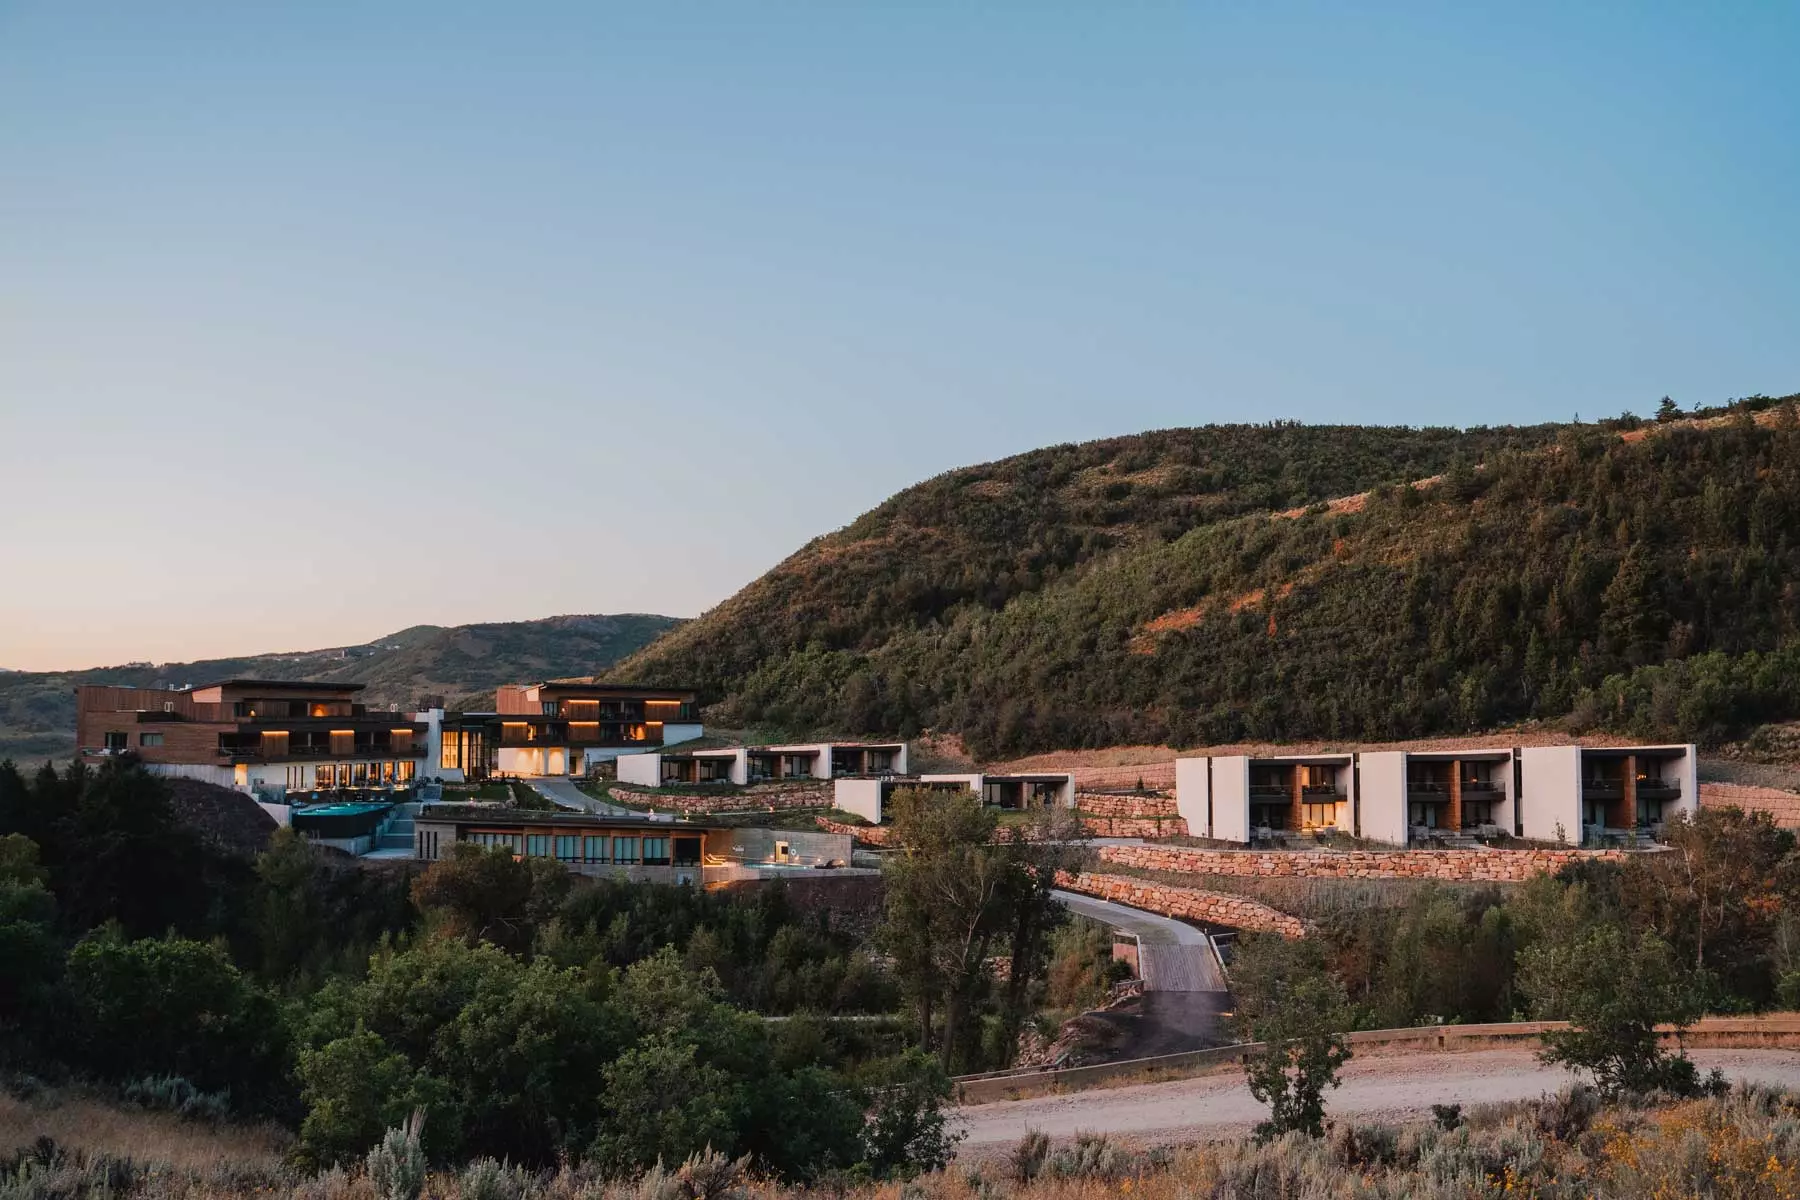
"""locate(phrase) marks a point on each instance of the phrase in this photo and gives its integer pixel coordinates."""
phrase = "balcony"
(322, 752)
(1271, 791)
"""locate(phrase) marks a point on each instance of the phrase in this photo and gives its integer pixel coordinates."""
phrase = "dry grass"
(92, 1126)
(1745, 1145)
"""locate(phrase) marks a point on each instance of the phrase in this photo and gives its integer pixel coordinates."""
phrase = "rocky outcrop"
(1189, 904)
(1493, 866)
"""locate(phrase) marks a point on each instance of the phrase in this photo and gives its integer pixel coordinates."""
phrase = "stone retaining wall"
(1783, 806)
(758, 797)
(1111, 804)
(1135, 827)
(1495, 866)
(868, 835)
(1190, 904)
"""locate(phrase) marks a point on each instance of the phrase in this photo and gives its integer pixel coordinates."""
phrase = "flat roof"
(1327, 759)
(1052, 777)
(475, 814)
(632, 689)
(288, 685)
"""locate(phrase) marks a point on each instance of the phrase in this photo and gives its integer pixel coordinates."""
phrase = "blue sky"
(323, 319)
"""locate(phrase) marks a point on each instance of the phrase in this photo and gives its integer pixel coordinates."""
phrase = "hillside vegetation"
(1195, 586)
(37, 709)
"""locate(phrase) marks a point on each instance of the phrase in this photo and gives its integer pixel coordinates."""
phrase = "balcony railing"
(1271, 791)
(311, 753)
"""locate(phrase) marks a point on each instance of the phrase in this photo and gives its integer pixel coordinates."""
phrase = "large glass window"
(625, 850)
(537, 845)
(656, 852)
(403, 770)
(117, 741)
(568, 847)
(595, 849)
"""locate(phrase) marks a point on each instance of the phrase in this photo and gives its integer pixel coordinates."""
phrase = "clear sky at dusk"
(323, 319)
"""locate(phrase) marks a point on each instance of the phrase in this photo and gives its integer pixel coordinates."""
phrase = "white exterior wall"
(644, 770)
(1382, 802)
(1550, 792)
(1506, 813)
(974, 782)
(283, 814)
(1231, 798)
(204, 772)
(859, 796)
(901, 764)
(1346, 809)
(1193, 795)
(1689, 769)
(519, 760)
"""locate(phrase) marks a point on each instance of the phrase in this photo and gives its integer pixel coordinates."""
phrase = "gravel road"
(1373, 1088)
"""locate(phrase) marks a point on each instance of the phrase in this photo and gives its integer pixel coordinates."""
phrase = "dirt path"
(1374, 1088)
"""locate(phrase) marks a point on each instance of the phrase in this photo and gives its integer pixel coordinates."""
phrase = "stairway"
(397, 836)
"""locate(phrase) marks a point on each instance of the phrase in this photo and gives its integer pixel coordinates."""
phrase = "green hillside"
(1158, 588)
(37, 709)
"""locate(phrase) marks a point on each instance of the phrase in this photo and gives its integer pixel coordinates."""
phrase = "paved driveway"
(1387, 1088)
(569, 796)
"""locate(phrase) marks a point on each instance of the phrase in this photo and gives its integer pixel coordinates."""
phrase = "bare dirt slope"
(1373, 1088)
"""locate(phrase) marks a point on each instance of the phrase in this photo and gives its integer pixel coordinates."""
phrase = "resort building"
(558, 729)
(1573, 794)
(628, 847)
(1415, 796)
(1597, 795)
(745, 765)
(269, 737)
(1238, 798)
(868, 797)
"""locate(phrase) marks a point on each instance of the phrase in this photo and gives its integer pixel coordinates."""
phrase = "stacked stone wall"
(759, 797)
(1494, 866)
(1189, 904)
(1783, 806)
(868, 835)
(1112, 804)
(1135, 827)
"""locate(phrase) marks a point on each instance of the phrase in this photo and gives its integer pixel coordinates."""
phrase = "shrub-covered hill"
(1164, 588)
(37, 708)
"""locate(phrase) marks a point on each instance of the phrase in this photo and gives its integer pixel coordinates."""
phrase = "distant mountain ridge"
(463, 663)
(1288, 582)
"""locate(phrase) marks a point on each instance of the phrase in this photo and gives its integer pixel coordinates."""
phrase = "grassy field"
(89, 1124)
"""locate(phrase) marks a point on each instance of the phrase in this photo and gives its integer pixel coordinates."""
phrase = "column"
(1626, 817)
(1456, 822)
(1298, 821)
